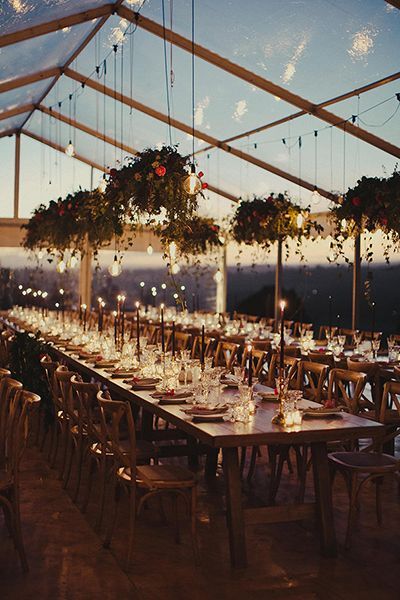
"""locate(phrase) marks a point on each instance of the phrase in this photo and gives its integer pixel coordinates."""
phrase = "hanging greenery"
(372, 205)
(150, 185)
(65, 223)
(198, 235)
(264, 221)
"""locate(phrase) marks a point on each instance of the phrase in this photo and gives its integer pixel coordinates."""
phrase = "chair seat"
(144, 450)
(160, 476)
(365, 462)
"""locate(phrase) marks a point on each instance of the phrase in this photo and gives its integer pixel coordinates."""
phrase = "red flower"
(69, 206)
(201, 174)
(270, 199)
(161, 170)
(214, 228)
(384, 221)
(113, 173)
(61, 212)
(204, 186)
(356, 201)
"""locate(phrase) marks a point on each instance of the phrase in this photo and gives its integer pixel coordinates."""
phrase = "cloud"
(199, 110)
(290, 68)
(240, 110)
(362, 44)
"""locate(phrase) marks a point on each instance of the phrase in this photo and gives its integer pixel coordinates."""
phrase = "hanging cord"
(115, 49)
(104, 113)
(166, 74)
(300, 144)
(121, 104)
(193, 75)
(315, 158)
(344, 160)
(331, 151)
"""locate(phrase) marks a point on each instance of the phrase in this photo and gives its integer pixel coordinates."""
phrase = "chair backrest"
(85, 398)
(390, 399)
(182, 340)
(20, 407)
(4, 373)
(312, 379)
(116, 420)
(323, 358)
(64, 391)
(8, 389)
(209, 345)
(293, 351)
(341, 392)
(49, 367)
(270, 378)
(225, 354)
(323, 330)
(369, 368)
(259, 358)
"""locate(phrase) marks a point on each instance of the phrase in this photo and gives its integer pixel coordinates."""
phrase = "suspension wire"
(166, 73)
(193, 76)
(104, 112)
(115, 49)
(121, 104)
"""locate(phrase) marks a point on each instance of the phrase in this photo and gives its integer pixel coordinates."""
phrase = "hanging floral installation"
(372, 205)
(199, 235)
(66, 224)
(264, 221)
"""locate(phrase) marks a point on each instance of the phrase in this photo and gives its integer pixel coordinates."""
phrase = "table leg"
(323, 497)
(234, 508)
(147, 424)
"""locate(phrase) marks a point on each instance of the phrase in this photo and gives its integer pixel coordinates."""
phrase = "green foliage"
(25, 353)
(197, 235)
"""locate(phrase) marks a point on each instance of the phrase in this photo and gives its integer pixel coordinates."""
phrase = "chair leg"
(302, 472)
(64, 442)
(79, 451)
(132, 520)
(69, 459)
(16, 517)
(92, 466)
(378, 496)
(243, 452)
(110, 530)
(193, 520)
(255, 451)
(282, 456)
(54, 451)
(352, 509)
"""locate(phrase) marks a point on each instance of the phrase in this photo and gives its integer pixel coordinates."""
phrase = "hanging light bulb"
(175, 269)
(115, 268)
(300, 221)
(172, 251)
(40, 254)
(343, 224)
(192, 183)
(61, 266)
(69, 149)
(218, 276)
(315, 196)
(102, 184)
(150, 250)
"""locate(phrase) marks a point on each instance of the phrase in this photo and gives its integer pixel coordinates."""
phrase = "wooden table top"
(258, 431)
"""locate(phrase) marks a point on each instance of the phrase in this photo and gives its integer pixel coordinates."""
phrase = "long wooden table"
(259, 431)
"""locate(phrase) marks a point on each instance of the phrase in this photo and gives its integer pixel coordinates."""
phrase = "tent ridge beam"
(188, 129)
(56, 24)
(256, 80)
(12, 84)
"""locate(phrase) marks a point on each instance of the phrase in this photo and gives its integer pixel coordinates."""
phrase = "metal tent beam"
(256, 80)
(56, 24)
(188, 129)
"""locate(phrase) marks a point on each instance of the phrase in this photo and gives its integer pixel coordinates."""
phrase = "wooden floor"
(67, 560)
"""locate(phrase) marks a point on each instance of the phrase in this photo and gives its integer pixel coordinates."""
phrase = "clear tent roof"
(315, 52)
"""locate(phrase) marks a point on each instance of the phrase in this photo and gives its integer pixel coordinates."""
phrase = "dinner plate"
(209, 418)
(321, 413)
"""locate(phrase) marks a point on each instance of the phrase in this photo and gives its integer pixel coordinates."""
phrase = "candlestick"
(330, 316)
(162, 330)
(138, 330)
(282, 348)
(250, 363)
(373, 320)
(84, 308)
(173, 337)
(80, 309)
(115, 313)
(99, 301)
(202, 350)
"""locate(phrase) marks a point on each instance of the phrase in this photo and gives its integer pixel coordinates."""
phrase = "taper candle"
(282, 353)
(173, 337)
(250, 363)
(162, 329)
(138, 329)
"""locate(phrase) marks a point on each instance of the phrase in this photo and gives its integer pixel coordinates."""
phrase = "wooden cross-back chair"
(389, 413)
(298, 325)
(323, 329)
(312, 380)
(18, 414)
(259, 359)
(148, 480)
(66, 414)
(8, 389)
(371, 370)
(225, 354)
(322, 358)
(182, 340)
(346, 388)
(209, 346)
(6, 338)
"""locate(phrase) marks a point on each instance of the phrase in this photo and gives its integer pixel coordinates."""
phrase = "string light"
(150, 250)
(115, 268)
(70, 150)
(218, 276)
(300, 221)
(315, 196)
(175, 269)
(61, 266)
(102, 184)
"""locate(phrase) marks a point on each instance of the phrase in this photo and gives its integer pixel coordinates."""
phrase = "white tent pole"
(222, 285)
(278, 283)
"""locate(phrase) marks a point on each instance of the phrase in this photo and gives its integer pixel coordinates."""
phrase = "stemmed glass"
(357, 336)
(185, 358)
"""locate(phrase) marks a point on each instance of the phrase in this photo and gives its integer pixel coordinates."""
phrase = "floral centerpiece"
(372, 205)
(151, 185)
(264, 221)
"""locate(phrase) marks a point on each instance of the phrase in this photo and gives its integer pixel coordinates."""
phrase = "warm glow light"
(57, 305)
(115, 268)
(83, 306)
(39, 293)
(102, 184)
(154, 292)
(343, 224)
(34, 294)
(218, 276)
(162, 305)
(163, 286)
(20, 287)
(183, 288)
(282, 304)
(61, 291)
(192, 183)
(175, 269)
(40, 254)
(73, 261)
(142, 284)
(61, 266)
(172, 251)
(24, 293)
(28, 290)
(44, 295)
(70, 150)
(150, 250)
(137, 304)
(300, 220)
(176, 296)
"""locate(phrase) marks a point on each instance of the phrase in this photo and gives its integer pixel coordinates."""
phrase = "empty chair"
(150, 480)
(225, 354)
(312, 380)
(259, 358)
(209, 346)
(371, 370)
(341, 393)
(323, 358)
(182, 340)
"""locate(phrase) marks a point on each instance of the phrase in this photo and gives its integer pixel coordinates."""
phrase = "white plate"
(322, 414)
(205, 418)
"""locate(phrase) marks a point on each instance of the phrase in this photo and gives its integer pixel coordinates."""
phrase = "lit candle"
(202, 350)
(162, 329)
(138, 329)
(99, 302)
(330, 316)
(80, 309)
(173, 337)
(373, 320)
(115, 313)
(281, 362)
(84, 308)
(250, 363)
(57, 305)
(122, 305)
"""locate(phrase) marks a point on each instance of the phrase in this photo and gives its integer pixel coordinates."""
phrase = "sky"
(317, 49)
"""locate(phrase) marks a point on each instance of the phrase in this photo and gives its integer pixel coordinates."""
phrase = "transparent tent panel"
(16, 15)
(47, 174)
(43, 52)
(317, 49)
(13, 122)
(7, 165)
(224, 105)
(27, 94)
